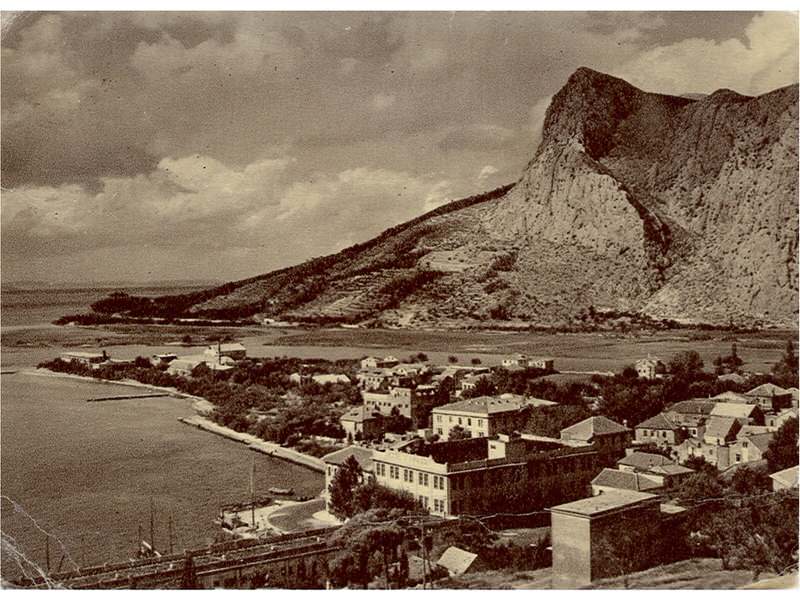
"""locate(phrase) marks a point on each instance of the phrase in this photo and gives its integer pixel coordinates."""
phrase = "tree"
(785, 370)
(452, 359)
(686, 365)
(782, 450)
(750, 480)
(458, 433)
(476, 361)
(422, 357)
(348, 476)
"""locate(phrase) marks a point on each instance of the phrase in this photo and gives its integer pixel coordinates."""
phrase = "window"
(469, 421)
(738, 458)
(459, 420)
(663, 434)
(425, 480)
(420, 479)
(744, 444)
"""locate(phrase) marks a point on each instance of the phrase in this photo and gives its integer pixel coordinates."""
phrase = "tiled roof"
(720, 427)
(644, 460)
(733, 397)
(591, 427)
(625, 480)
(605, 502)
(672, 469)
(692, 407)
(483, 405)
(358, 414)
(735, 377)
(456, 560)
(787, 477)
(362, 455)
(761, 440)
(767, 389)
(660, 421)
(731, 409)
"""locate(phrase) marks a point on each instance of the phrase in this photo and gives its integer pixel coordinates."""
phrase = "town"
(611, 474)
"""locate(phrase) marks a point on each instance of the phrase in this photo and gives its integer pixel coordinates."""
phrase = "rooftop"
(456, 560)
(787, 477)
(698, 406)
(720, 427)
(660, 421)
(482, 405)
(644, 460)
(768, 389)
(732, 409)
(625, 480)
(362, 455)
(231, 347)
(358, 414)
(605, 502)
(591, 427)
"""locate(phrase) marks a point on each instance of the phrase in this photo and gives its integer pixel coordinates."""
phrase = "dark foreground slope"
(668, 206)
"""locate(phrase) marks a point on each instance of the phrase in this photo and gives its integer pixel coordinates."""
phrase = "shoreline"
(199, 405)
(255, 443)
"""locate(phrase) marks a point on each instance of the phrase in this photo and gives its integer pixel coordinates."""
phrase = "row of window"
(408, 476)
(479, 422)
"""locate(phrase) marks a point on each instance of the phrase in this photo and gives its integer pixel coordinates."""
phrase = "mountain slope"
(674, 207)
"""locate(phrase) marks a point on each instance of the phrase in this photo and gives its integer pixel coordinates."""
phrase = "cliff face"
(675, 207)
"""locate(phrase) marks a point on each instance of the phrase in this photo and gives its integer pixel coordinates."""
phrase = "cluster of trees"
(254, 385)
(502, 381)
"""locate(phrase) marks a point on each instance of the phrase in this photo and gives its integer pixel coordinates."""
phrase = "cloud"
(767, 60)
(487, 172)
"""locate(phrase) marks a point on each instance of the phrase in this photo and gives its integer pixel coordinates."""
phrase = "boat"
(281, 491)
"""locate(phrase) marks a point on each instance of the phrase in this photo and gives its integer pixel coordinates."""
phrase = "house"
(735, 397)
(546, 364)
(614, 479)
(234, 351)
(335, 460)
(746, 414)
(721, 430)
(371, 362)
(88, 359)
(185, 365)
(749, 448)
(771, 397)
(714, 454)
(330, 378)
(516, 361)
(784, 480)
(775, 421)
(361, 423)
(484, 416)
(795, 393)
(657, 467)
(650, 368)
(660, 430)
(458, 562)
(583, 533)
(479, 475)
(690, 413)
(161, 360)
(374, 379)
(734, 377)
(413, 403)
(607, 436)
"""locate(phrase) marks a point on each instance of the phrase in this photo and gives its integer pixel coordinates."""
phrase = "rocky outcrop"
(674, 207)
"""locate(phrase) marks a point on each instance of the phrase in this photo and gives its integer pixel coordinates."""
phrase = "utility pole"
(170, 533)
(47, 552)
(253, 492)
(83, 552)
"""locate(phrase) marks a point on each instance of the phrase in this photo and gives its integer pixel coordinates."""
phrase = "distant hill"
(639, 203)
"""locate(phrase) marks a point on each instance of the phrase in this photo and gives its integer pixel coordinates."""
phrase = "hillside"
(673, 207)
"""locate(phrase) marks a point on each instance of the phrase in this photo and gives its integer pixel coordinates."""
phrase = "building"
(735, 397)
(584, 534)
(234, 351)
(162, 360)
(746, 414)
(609, 480)
(650, 368)
(775, 421)
(484, 416)
(361, 423)
(458, 562)
(330, 378)
(372, 362)
(516, 361)
(546, 364)
(771, 397)
(185, 365)
(655, 466)
(749, 447)
(660, 430)
(481, 475)
(413, 403)
(690, 414)
(89, 359)
(784, 480)
(608, 437)
(721, 430)
(714, 454)
(336, 459)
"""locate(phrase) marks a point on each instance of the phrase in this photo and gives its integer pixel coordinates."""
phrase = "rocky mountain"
(672, 207)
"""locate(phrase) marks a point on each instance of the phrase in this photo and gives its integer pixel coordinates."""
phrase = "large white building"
(484, 416)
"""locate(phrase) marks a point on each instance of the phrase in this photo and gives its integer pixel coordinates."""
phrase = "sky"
(154, 146)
